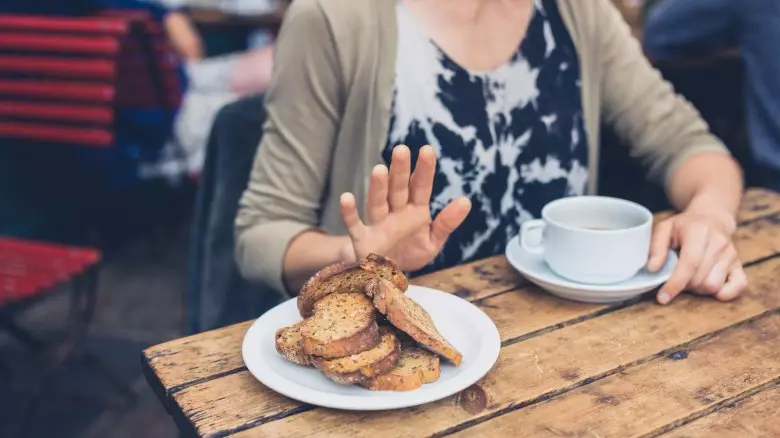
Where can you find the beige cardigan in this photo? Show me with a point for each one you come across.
(329, 108)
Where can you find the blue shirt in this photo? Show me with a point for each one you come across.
(511, 139)
(676, 28)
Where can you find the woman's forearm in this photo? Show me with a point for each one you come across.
(309, 252)
(708, 182)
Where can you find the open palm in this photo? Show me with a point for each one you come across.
(399, 224)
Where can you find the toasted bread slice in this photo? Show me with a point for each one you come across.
(409, 317)
(385, 268)
(358, 367)
(415, 368)
(289, 345)
(347, 278)
(403, 338)
(342, 325)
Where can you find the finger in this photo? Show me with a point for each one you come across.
(735, 285)
(449, 219)
(660, 246)
(399, 178)
(716, 278)
(350, 216)
(693, 246)
(716, 251)
(377, 195)
(421, 184)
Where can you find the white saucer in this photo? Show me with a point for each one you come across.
(467, 327)
(535, 269)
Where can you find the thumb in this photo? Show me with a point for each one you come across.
(449, 219)
(660, 245)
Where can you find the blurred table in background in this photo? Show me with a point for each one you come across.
(218, 18)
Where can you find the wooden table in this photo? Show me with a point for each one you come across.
(214, 18)
(566, 369)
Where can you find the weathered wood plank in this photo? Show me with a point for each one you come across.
(183, 361)
(194, 360)
(529, 311)
(204, 405)
(475, 280)
(197, 357)
(758, 203)
(755, 416)
(648, 397)
(758, 239)
(505, 310)
(191, 359)
(546, 365)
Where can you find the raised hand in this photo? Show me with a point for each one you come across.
(399, 223)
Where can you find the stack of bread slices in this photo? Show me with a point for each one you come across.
(359, 328)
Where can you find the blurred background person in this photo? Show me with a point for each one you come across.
(677, 29)
(213, 80)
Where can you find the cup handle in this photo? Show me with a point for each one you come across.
(527, 228)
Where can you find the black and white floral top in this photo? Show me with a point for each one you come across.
(511, 139)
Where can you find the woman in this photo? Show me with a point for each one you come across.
(510, 95)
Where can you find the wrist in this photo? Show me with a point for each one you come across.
(714, 210)
(346, 251)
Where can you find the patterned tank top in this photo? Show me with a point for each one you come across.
(511, 139)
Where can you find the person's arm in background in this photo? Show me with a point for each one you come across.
(182, 34)
(676, 28)
(669, 137)
(185, 39)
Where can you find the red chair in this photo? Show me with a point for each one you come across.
(30, 270)
(62, 80)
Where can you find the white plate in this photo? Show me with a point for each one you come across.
(464, 325)
(535, 269)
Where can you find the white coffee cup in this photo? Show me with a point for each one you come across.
(591, 239)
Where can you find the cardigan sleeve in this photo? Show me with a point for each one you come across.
(303, 106)
(661, 127)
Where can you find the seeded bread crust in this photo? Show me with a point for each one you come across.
(403, 338)
(348, 278)
(342, 325)
(415, 368)
(385, 268)
(410, 317)
(341, 278)
(359, 367)
(288, 344)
